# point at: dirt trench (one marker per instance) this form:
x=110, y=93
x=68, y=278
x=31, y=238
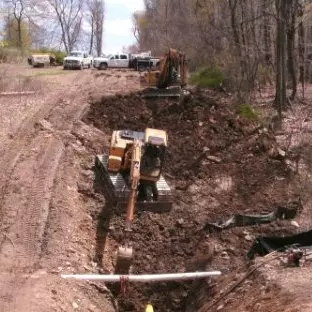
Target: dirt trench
x=218, y=164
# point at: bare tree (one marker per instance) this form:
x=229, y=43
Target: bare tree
x=69, y=15
x=301, y=48
x=96, y=20
x=238, y=36
x=280, y=97
x=17, y=14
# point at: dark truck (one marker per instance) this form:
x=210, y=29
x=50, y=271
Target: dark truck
x=140, y=62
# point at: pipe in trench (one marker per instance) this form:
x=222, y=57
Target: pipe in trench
x=142, y=278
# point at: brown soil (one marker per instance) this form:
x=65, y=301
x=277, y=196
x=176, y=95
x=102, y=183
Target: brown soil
x=242, y=176
x=54, y=218
x=45, y=226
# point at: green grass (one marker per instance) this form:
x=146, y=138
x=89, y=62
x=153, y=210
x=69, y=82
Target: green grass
x=208, y=77
x=47, y=73
x=247, y=111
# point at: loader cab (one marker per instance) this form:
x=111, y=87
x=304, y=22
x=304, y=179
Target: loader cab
x=155, y=145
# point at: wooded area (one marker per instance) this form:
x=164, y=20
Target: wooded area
x=250, y=43
x=62, y=24
x=253, y=42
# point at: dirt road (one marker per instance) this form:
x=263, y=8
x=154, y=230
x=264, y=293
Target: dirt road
x=43, y=223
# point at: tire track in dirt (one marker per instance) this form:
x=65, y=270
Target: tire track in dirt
x=31, y=193
x=28, y=170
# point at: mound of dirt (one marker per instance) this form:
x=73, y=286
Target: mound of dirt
x=218, y=164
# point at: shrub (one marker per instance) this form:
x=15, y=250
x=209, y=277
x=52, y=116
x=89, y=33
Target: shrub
x=59, y=56
x=208, y=77
x=247, y=111
x=10, y=55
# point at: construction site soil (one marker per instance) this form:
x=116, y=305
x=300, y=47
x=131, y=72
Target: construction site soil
x=54, y=218
x=218, y=164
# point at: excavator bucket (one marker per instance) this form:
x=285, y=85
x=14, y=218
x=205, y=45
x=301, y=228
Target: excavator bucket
x=117, y=191
x=124, y=260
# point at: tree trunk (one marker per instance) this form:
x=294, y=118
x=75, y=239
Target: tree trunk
x=19, y=33
x=291, y=31
x=301, y=48
x=280, y=95
x=266, y=33
x=92, y=36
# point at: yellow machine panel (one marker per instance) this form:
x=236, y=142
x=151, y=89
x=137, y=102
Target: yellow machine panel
x=117, y=151
x=155, y=136
x=114, y=163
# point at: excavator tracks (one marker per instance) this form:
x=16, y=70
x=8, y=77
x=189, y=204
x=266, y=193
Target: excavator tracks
x=172, y=92
x=116, y=190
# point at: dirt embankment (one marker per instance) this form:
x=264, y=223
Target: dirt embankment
x=218, y=164
x=45, y=227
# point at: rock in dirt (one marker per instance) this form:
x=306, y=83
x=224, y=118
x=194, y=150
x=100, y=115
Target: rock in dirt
x=193, y=189
x=277, y=152
x=180, y=221
x=84, y=188
x=225, y=255
x=214, y=158
x=75, y=305
x=248, y=237
x=44, y=125
x=294, y=223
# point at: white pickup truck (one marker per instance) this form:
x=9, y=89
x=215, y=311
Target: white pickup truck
x=78, y=59
x=141, y=62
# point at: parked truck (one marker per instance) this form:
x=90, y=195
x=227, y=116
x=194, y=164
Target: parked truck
x=39, y=60
x=140, y=62
x=78, y=59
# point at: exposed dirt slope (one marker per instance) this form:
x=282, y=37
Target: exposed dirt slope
x=218, y=164
x=44, y=224
x=54, y=218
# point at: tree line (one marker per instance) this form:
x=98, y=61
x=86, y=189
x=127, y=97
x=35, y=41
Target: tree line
x=254, y=42
x=65, y=24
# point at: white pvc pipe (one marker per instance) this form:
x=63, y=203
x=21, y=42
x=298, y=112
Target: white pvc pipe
x=141, y=278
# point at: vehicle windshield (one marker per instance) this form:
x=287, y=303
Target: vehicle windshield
x=76, y=54
x=109, y=56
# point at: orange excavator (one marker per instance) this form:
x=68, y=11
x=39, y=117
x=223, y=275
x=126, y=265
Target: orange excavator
x=132, y=176
x=125, y=251
x=170, y=79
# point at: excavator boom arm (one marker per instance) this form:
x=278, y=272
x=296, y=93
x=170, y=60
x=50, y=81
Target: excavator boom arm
x=134, y=179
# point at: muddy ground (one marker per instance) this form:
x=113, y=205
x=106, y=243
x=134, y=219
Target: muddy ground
x=54, y=218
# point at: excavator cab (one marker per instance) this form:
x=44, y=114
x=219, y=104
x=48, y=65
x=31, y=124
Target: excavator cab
x=155, y=144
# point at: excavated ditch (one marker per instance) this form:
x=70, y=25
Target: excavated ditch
x=218, y=164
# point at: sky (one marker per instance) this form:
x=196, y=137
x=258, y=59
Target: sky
x=118, y=24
